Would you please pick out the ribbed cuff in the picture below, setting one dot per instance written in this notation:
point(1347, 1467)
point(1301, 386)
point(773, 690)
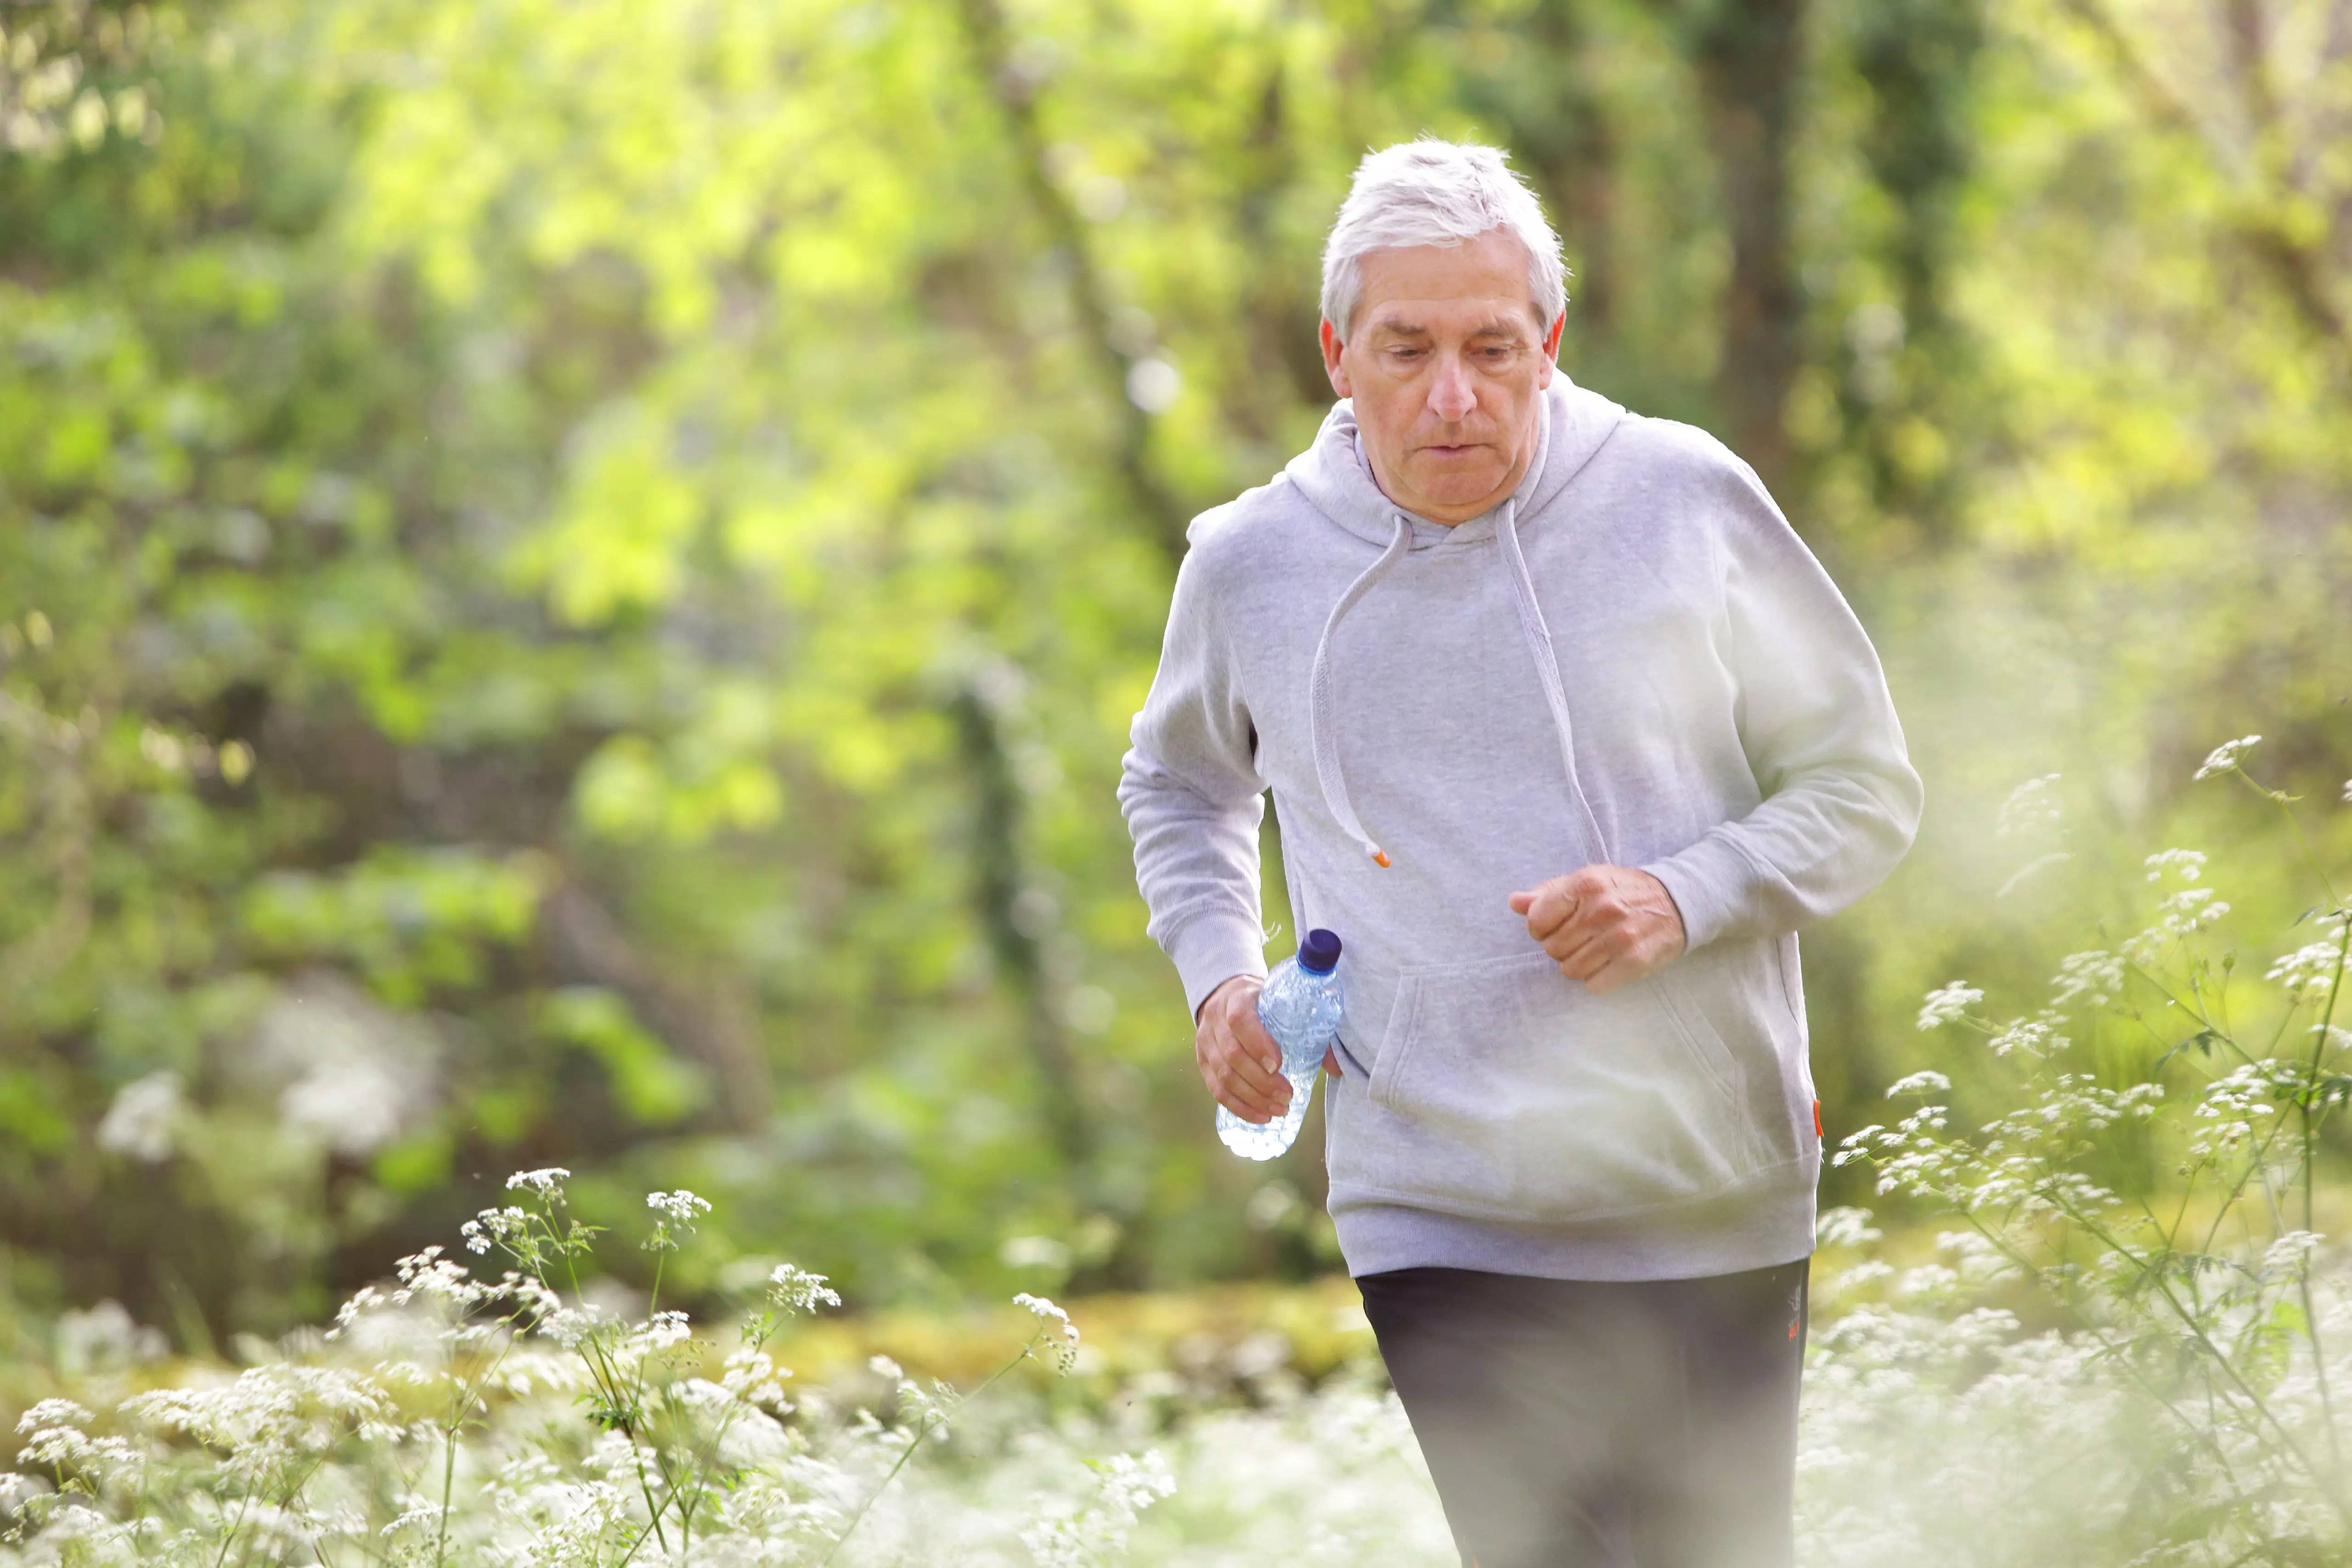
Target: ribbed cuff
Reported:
point(1212, 949)
point(1707, 881)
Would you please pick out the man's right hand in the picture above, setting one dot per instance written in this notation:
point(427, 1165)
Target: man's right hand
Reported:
point(1239, 1060)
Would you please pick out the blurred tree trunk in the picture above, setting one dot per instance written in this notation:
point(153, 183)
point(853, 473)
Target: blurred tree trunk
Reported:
point(1749, 56)
point(1919, 59)
point(1565, 141)
point(1013, 85)
point(1016, 915)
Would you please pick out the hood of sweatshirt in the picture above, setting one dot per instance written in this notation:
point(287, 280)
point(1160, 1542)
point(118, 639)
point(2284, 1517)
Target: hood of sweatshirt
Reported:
point(1572, 424)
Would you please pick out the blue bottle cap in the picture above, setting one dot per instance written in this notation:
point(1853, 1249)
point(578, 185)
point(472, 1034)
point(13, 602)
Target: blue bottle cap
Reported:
point(1319, 953)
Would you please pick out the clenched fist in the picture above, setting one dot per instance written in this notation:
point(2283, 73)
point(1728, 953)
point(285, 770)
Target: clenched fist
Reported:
point(1239, 1060)
point(1604, 925)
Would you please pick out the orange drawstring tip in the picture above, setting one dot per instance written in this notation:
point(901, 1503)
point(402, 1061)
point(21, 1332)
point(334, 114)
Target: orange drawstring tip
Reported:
point(1379, 859)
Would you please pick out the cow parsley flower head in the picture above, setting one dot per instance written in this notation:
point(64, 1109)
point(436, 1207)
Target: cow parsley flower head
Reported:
point(1927, 1081)
point(548, 1183)
point(52, 1413)
point(680, 1205)
point(2309, 972)
point(1056, 1326)
point(142, 1122)
point(797, 1290)
point(665, 1330)
point(2030, 807)
point(491, 1226)
point(2094, 977)
point(1943, 1007)
point(1845, 1227)
point(2224, 757)
point(2187, 864)
point(2036, 1036)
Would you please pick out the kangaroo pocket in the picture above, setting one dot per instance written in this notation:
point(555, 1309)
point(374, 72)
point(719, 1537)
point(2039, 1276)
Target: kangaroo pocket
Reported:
point(1502, 1088)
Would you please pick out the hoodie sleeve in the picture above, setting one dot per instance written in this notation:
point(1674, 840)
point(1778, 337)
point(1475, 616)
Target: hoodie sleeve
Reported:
point(1192, 797)
point(1841, 799)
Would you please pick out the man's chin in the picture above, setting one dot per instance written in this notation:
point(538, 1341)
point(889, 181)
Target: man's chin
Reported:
point(1457, 483)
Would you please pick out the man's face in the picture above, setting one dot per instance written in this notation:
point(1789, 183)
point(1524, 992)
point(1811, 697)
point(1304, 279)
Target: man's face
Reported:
point(1446, 361)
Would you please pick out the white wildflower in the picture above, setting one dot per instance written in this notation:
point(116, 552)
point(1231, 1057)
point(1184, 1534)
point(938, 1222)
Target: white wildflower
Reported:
point(2224, 757)
point(665, 1330)
point(492, 1226)
point(546, 1182)
point(680, 1205)
point(2037, 1036)
point(1845, 1227)
point(2186, 864)
point(2309, 972)
point(1951, 1002)
point(2094, 977)
point(882, 1366)
point(139, 1124)
point(1063, 1332)
point(52, 1413)
point(2030, 807)
point(2290, 1255)
point(1925, 1081)
point(104, 1338)
point(797, 1290)
point(753, 1377)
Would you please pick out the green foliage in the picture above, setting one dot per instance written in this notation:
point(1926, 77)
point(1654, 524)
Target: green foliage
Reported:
point(571, 577)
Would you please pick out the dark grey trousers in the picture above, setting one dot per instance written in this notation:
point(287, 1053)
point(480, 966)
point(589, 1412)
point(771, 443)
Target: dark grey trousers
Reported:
point(1571, 1424)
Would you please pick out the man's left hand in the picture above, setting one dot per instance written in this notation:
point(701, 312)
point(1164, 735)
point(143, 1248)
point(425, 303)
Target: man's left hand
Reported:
point(1604, 925)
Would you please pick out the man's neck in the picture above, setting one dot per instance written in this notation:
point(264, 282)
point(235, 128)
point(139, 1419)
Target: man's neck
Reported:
point(1453, 517)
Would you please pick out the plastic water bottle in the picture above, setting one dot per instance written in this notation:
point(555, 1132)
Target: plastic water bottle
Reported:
point(1300, 1008)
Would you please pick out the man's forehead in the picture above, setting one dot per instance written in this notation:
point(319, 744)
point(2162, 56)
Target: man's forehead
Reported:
point(1467, 289)
point(1470, 318)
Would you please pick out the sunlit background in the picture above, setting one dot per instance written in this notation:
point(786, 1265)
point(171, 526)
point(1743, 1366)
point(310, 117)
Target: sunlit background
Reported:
point(573, 577)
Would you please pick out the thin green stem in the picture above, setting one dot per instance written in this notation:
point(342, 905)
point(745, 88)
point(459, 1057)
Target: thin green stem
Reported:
point(922, 1431)
point(2217, 1357)
point(2283, 801)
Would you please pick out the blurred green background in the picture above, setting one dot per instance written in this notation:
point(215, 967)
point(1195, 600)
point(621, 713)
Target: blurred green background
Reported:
point(573, 573)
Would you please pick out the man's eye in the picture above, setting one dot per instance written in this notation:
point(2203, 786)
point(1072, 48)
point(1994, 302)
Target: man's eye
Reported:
point(1404, 354)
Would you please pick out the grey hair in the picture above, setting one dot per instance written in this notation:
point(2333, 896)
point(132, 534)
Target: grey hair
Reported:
point(1434, 191)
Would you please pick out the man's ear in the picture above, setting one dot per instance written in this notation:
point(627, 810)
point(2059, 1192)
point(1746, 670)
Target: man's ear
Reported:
point(1551, 349)
point(1332, 346)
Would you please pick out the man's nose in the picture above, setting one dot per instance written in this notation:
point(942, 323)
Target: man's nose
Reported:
point(1451, 398)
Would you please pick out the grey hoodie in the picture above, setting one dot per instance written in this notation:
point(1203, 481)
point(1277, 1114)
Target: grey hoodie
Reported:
point(1633, 661)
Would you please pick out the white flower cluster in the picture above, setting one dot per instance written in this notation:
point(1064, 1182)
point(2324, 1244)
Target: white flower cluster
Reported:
point(2225, 758)
point(1949, 1004)
point(2309, 972)
point(797, 1290)
point(2184, 912)
point(2095, 977)
point(1925, 1081)
point(680, 1206)
point(2032, 808)
point(493, 1227)
point(1060, 1332)
point(2036, 1036)
point(2236, 1108)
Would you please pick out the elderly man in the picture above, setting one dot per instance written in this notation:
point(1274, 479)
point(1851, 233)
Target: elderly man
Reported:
point(1568, 733)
